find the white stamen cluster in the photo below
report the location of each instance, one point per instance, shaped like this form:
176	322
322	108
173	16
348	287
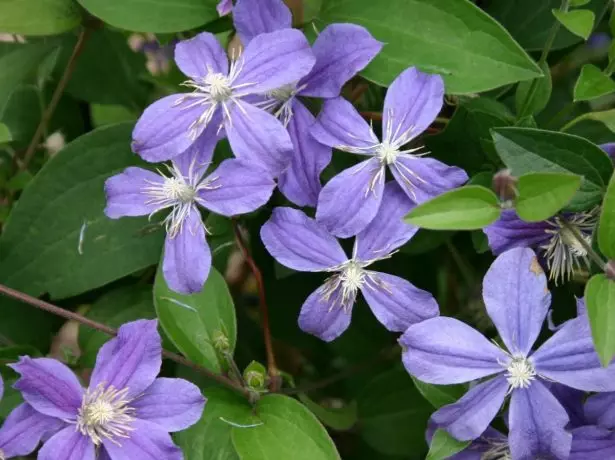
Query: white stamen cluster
520	372
105	413
178	193
280	102
213	91
389	150
499	451
564	252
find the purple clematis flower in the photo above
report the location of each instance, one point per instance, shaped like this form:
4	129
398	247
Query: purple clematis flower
600	410
556	244
174	123
341	51
126	413
609	148
491	445
351	199
592	443
300	243
235	187
445	351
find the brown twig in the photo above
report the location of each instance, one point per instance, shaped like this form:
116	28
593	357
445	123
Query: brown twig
55	99
374	116
272	369
70	315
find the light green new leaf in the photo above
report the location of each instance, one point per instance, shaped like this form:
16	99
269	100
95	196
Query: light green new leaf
339	418
38	17
606	117
440	395
579	22
443	446
153	15
57	238
453	38
600	302
466	208
196	323
526	150
284	428
5	134
606	229
542	195
539	98
393	414
592	83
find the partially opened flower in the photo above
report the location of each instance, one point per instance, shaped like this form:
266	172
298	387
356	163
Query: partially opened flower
553	239
341	51
300	243
126	413
349	201
445	351
219	96
235	187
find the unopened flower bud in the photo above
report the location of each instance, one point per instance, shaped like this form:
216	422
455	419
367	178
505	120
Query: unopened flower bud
220	341
255	376
505	185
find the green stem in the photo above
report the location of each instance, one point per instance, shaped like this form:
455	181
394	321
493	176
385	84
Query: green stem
543	59
588	248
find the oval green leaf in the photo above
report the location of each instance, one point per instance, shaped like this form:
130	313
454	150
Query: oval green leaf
443	446
57	239
579	22
38	17
466	208
526	150
600	302
153	15
606	229
279	419
592	83
195	323
454	38
440	395
606	117
542	195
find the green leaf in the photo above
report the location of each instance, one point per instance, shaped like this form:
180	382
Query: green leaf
606	229
439	395
210	437
466	208
393	415
38	17
5	134
579	22
18	65
540	96
443	446
153	15
542	195
57	238
104	114
600	302
107	70
339	418
454	38
606	117
577	3
195	323
530	22
280	419
592	83
525	150
113	309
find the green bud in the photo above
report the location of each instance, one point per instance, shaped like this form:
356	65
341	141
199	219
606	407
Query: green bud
255	376
220	341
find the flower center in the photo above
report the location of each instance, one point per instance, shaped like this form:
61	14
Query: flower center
343	286
284	93
387	153
105	414
574	245
219	86
520	372
353	277
176	189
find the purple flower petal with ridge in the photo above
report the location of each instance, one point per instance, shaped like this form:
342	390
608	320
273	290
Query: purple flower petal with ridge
200	55
325	317
537	424
68	444
125	196
592	443
253	18
511	232
600	410
147	441
300	243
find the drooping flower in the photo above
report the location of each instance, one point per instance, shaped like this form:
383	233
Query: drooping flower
235	187
446	351
592	443
341	51
300	243
609	148
349	201
552	239
126	412
219	96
